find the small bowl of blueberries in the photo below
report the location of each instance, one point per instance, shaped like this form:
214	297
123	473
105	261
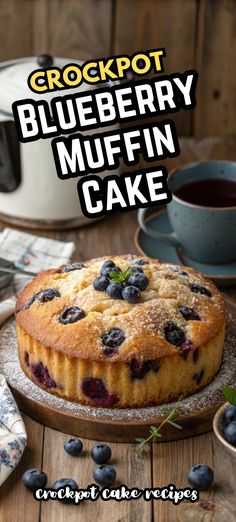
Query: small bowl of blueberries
224	423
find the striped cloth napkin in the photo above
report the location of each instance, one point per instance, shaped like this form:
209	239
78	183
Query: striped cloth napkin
33	253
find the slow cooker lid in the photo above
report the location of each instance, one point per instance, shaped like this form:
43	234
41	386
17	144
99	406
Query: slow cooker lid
14	75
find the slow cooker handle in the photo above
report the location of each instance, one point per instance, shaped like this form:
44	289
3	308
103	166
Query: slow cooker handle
10	164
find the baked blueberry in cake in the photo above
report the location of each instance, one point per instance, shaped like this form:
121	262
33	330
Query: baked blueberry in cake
120	332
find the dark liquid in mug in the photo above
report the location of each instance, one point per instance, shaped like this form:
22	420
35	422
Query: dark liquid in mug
209	193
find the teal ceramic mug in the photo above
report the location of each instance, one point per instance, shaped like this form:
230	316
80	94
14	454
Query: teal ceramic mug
205	233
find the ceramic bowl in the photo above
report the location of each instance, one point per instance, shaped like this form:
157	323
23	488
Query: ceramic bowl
218	429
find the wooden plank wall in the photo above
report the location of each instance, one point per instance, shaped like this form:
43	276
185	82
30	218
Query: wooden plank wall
196	34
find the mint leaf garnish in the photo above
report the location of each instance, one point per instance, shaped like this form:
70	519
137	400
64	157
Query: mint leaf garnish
120	277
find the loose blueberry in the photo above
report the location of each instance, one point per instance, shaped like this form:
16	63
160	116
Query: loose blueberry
73	447
200	477
180	272
174	334
141	262
230	433
71	267
62	484
72	315
104	475
189	314
114	290
229	415
101	453
139	280
198	289
115	337
198	376
131	294
101	283
140	369
34	479
42	375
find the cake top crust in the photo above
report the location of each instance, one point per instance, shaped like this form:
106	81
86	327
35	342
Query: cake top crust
179	310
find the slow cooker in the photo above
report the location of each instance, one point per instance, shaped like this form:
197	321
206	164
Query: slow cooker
31	194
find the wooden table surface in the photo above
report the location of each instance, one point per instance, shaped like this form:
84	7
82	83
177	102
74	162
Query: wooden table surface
165	463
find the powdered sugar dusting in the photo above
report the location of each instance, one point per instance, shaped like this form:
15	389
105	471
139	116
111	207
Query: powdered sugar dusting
211	395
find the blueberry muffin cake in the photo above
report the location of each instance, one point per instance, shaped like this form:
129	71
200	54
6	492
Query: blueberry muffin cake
120	332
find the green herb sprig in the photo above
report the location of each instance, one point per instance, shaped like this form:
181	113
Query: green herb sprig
172	415
230	394
121	277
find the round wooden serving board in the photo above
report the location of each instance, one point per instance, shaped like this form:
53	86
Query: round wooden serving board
196	412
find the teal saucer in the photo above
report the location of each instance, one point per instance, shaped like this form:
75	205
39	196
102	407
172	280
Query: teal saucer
223	275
